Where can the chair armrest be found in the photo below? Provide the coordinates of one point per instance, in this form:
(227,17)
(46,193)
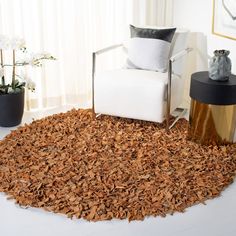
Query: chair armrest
(95,54)
(107,49)
(180,54)
(103,50)
(171,61)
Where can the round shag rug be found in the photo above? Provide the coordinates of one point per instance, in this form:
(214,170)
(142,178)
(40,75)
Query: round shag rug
(106,168)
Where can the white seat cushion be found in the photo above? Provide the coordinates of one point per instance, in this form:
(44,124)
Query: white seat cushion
(137,94)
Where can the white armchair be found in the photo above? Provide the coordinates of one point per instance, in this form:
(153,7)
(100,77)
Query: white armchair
(141,94)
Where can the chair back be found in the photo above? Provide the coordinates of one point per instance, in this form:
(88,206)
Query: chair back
(179,43)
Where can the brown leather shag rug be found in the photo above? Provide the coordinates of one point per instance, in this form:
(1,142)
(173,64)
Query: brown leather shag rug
(106,168)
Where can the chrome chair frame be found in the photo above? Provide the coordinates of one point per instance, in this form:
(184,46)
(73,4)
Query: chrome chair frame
(170,72)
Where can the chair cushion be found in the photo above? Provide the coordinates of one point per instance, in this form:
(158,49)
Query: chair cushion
(149,49)
(136,94)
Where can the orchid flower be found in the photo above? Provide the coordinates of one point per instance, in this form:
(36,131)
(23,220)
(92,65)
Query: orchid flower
(4,42)
(34,60)
(31,85)
(26,79)
(17,43)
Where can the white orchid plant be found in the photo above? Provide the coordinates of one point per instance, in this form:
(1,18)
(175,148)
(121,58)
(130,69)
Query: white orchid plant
(18,80)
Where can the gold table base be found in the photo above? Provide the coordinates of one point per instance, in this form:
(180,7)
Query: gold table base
(212,124)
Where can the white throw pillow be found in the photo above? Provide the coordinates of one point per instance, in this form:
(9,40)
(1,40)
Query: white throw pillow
(149,49)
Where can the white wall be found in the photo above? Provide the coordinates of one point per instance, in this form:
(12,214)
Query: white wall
(196,15)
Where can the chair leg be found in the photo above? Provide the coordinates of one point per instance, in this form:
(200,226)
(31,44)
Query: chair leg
(182,112)
(167,122)
(93,76)
(179,116)
(168,101)
(97,115)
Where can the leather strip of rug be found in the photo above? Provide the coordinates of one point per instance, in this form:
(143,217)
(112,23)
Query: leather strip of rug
(105,168)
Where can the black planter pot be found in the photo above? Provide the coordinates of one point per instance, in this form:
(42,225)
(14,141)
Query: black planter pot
(11,109)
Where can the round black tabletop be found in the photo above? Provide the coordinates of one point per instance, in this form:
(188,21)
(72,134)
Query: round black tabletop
(206,90)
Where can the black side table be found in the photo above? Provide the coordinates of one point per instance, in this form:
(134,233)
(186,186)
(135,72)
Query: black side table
(212,118)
